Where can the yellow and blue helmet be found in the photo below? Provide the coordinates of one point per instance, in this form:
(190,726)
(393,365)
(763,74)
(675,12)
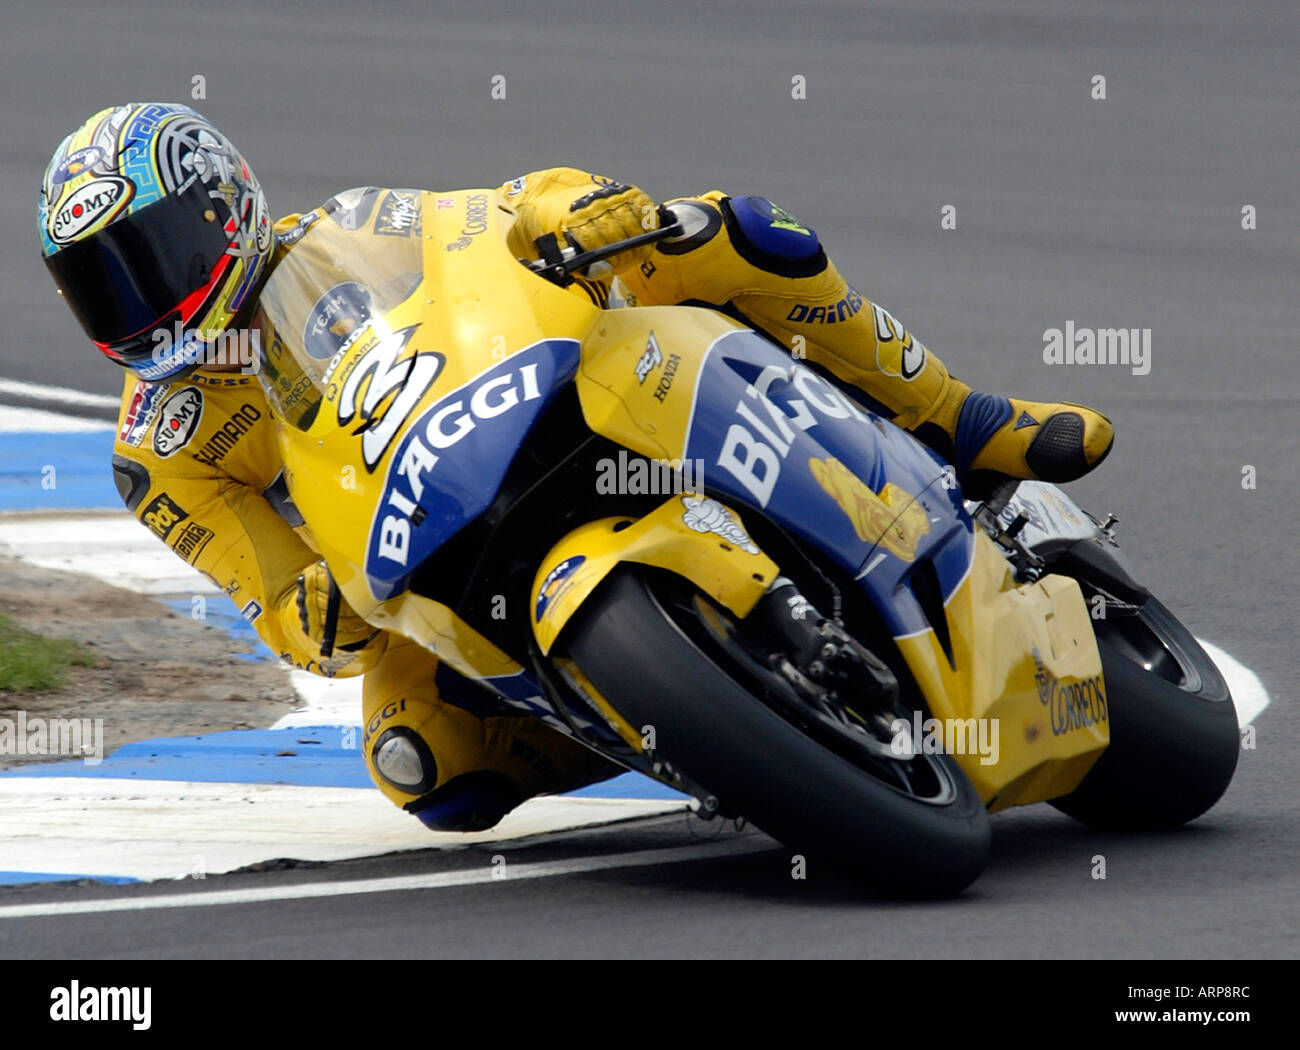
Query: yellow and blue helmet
(151,223)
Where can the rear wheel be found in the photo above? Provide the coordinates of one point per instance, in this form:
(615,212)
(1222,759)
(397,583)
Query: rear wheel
(1173,728)
(824,781)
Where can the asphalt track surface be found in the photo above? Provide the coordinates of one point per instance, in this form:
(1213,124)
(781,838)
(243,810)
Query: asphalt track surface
(1117,213)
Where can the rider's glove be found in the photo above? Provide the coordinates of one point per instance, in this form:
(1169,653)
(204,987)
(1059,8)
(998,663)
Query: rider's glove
(611,211)
(325,617)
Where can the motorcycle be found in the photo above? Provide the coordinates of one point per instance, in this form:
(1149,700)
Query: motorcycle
(670,539)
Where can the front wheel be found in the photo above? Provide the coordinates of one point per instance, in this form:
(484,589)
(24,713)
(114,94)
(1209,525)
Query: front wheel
(654,648)
(1173,727)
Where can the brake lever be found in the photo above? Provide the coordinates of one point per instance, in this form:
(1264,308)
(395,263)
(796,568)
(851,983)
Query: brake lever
(559,264)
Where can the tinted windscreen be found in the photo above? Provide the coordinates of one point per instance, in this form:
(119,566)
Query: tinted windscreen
(327,293)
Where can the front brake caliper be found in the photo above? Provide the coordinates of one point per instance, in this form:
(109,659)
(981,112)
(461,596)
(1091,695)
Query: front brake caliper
(820,655)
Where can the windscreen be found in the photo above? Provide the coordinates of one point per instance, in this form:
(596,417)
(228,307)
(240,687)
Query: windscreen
(331,290)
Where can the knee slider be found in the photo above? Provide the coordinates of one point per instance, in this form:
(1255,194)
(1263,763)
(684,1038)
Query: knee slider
(769,237)
(470,802)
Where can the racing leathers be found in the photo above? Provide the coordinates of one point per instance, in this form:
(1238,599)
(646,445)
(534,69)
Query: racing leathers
(196,461)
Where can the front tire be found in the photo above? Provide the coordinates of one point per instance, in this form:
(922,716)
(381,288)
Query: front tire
(709,725)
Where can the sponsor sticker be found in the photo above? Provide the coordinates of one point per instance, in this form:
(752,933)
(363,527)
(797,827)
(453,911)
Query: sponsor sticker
(227,436)
(666,380)
(476,207)
(178,418)
(294,235)
(783,220)
(554,583)
(650,359)
(251,611)
(846,307)
(96,201)
(399,214)
(140,413)
(191,541)
(892,518)
(337,320)
(1070,705)
(454,439)
(162,514)
(708,515)
(76,163)
(779,403)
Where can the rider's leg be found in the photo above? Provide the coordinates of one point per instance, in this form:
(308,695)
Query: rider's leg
(759,264)
(455,769)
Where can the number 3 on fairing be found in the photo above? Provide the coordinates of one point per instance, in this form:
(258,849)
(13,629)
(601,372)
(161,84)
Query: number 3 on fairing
(413,375)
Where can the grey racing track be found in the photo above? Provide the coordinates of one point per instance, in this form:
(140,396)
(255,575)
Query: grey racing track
(1122,212)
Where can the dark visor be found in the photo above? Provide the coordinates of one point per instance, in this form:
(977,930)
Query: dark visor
(135,271)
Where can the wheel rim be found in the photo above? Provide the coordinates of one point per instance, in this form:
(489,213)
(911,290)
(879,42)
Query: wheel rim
(924,778)
(1138,638)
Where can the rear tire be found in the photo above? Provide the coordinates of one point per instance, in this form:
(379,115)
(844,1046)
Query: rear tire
(1173,743)
(721,736)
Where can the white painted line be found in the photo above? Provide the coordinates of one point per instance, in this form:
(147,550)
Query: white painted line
(326,701)
(158,829)
(399,884)
(111,546)
(1248,693)
(62,394)
(14,419)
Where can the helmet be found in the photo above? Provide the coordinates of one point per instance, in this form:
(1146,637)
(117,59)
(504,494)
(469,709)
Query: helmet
(156,232)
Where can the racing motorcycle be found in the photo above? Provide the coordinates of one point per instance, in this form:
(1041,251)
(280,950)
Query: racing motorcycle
(666,537)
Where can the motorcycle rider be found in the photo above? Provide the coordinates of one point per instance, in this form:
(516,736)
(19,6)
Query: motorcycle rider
(152,222)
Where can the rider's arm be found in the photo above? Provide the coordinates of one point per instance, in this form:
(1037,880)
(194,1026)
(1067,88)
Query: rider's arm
(235,537)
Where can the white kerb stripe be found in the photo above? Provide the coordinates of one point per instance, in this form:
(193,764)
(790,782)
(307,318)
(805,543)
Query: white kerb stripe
(20,419)
(1248,693)
(62,394)
(305,891)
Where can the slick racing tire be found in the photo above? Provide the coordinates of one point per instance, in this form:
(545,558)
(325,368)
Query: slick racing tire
(1173,728)
(633,644)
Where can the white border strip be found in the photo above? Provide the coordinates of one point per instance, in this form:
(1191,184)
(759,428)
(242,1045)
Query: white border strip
(399,884)
(21,419)
(1248,693)
(62,394)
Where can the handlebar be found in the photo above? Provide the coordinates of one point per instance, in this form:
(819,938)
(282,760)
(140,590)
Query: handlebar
(558,264)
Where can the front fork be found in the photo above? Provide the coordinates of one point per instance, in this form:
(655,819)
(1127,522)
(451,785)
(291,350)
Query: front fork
(819,655)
